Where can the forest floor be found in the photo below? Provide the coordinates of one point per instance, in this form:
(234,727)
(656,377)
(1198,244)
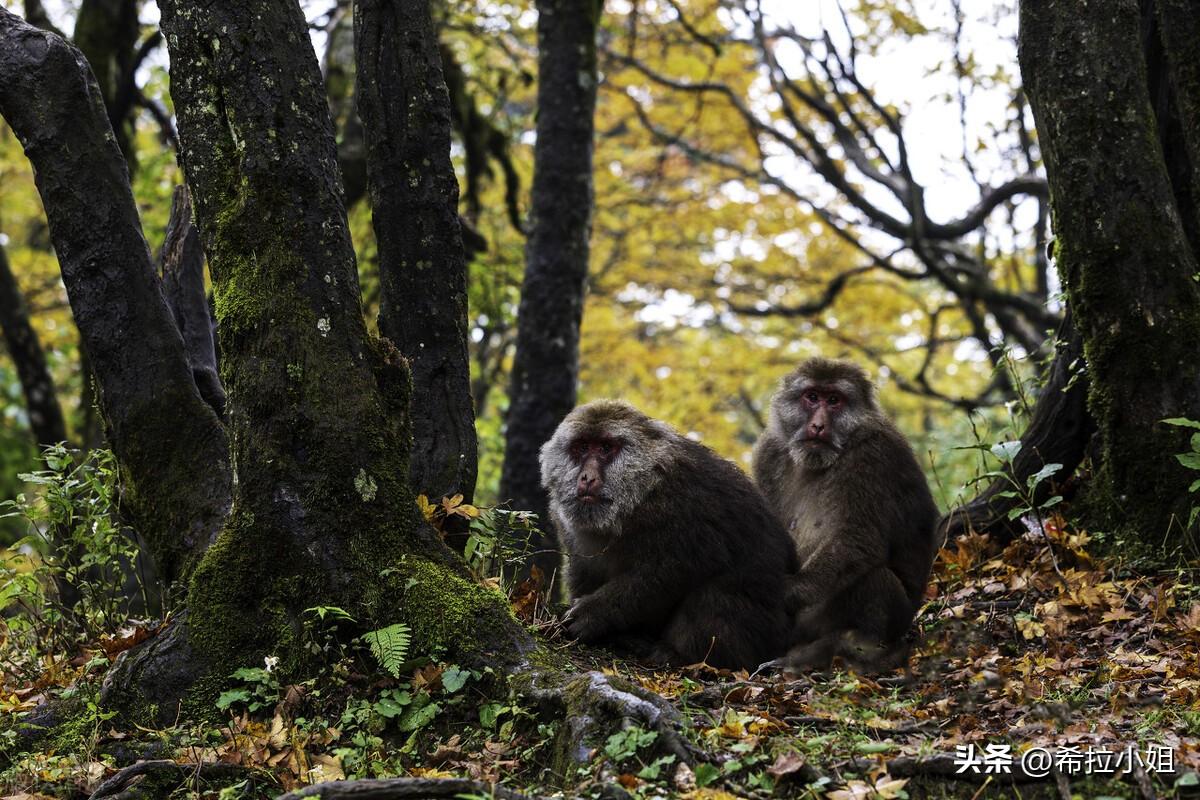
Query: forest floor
(1033,675)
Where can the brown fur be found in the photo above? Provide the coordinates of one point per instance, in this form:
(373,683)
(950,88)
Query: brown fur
(682,552)
(860,514)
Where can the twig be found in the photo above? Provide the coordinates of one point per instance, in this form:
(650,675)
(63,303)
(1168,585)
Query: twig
(115,786)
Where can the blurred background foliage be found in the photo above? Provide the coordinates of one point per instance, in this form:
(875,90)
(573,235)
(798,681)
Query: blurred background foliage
(722,254)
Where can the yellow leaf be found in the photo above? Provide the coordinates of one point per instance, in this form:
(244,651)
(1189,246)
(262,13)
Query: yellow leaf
(465,510)
(428,509)
(326,768)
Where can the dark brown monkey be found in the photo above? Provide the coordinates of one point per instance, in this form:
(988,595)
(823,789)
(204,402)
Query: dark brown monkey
(667,543)
(846,484)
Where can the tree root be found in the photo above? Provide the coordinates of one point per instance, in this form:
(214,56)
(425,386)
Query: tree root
(407,788)
(591,702)
(125,784)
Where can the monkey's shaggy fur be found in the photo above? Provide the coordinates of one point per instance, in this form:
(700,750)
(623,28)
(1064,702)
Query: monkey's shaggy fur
(860,513)
(680,550)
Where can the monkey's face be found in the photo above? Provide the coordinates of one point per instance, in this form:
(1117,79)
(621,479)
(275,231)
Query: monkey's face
(817,419)
(600,464)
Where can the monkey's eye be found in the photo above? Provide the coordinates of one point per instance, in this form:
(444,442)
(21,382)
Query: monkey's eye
(812,397)
(834,400)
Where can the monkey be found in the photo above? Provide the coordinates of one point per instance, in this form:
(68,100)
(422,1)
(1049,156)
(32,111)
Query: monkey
(667,543)
(848,487)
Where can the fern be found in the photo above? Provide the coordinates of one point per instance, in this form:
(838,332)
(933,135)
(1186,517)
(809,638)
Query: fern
(389,646)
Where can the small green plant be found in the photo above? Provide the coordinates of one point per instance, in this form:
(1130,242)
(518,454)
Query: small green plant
(491,532)
(260,688)
(1190,460)
(1023,492)
(71,572)
(390,646)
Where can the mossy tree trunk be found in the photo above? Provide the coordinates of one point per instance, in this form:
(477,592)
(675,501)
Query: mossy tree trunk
(405,111)
(545,370)
(317,409)
(170,446)
(1107,104)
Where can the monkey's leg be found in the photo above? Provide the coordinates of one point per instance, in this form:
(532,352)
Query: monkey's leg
(725,628)
(873,641)
(864,625)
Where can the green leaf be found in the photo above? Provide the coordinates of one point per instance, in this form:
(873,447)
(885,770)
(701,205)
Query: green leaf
(489,713)
(1182,422)
(706,773)
(1042,474)
(1194,487)
(1051,502)
(1189,460)
(232,696)
(653,770)
(1006,451)
(389,646)
(454,679)
(1017,512)
(419,717)
(387,707)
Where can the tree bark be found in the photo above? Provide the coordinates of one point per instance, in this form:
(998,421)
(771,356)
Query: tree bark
(405,111)
(322,512)
(182,265)
(1122,251)
(545,369)
(169,444)
(41,399)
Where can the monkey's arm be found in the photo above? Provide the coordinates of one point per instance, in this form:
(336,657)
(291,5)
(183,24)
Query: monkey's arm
(584,575)
(643,597)
(841,561)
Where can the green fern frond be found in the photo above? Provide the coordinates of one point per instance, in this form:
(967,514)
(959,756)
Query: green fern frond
(390,646)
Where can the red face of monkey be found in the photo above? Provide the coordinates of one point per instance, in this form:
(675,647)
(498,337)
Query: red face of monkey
(822,407)
(818,414)
(593,455)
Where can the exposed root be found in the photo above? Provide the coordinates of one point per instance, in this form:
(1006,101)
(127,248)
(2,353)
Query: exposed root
(592,702)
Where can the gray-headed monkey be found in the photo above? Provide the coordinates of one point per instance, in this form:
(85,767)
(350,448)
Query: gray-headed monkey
(848,487)
(667,544)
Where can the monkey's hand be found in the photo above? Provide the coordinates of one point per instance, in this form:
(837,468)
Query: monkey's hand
(584,620)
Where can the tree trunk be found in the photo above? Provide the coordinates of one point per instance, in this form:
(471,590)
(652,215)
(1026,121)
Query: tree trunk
(405,112)
(182,265)
(322,511)
(41,400)
(107,33)
(545,369)
(170,447)
(1122,252)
